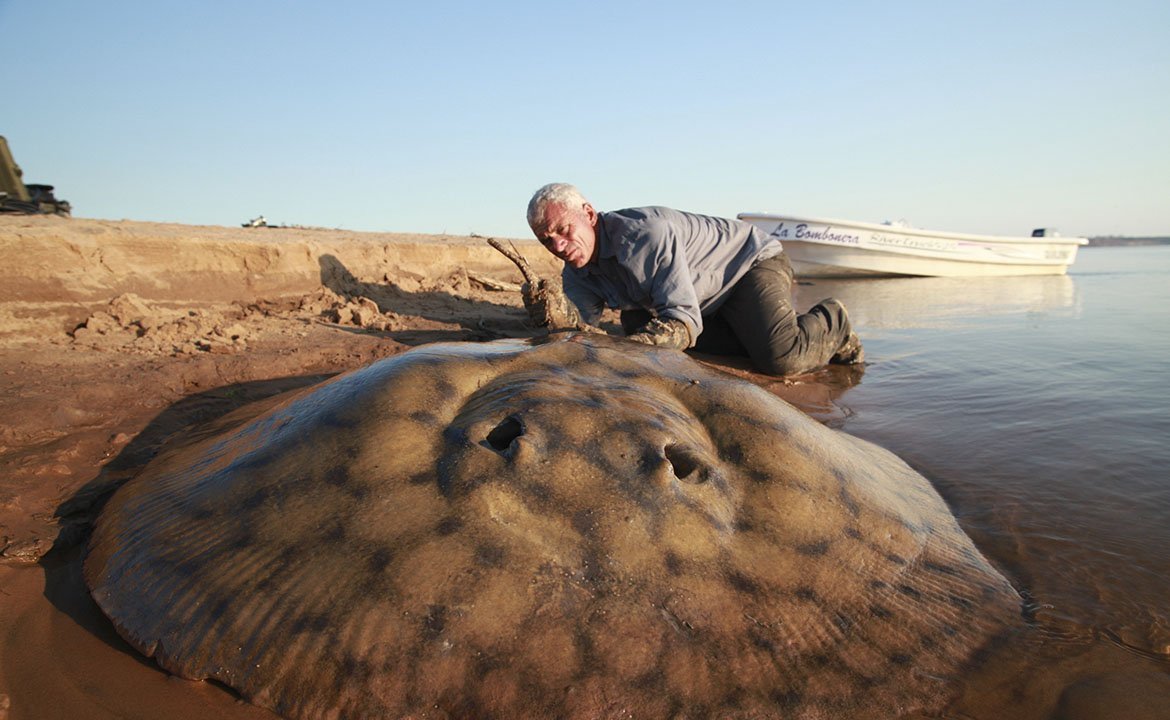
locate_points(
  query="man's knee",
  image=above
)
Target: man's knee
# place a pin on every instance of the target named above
(782, 356)
(782, 365)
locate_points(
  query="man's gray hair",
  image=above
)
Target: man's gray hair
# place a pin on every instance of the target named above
(562, 194)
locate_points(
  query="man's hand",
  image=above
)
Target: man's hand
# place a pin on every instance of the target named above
(544, 298)
(535, 298)
(548, 306)
(664, 332)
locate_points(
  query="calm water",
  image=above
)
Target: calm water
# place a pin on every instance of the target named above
(1040, 407)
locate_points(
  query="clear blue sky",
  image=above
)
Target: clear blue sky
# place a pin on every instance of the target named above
(443, 117)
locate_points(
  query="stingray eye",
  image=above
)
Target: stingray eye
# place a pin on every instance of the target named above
(502, 435)
(686, 464)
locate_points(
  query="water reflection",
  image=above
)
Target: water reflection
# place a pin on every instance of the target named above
(815, 394)
(896, 303)
(1037, 406)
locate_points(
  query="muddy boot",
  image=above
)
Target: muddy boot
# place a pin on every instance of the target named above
(850, 353)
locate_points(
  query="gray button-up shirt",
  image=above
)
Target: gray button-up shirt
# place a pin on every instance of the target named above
(676, 264)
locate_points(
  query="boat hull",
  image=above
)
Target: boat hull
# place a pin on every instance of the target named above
(835, 248)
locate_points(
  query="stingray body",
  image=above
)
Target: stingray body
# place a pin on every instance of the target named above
(580, 528)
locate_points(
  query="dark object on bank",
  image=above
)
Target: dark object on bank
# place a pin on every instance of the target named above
(16, 197)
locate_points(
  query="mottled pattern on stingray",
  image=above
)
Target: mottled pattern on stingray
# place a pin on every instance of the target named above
(583, 528)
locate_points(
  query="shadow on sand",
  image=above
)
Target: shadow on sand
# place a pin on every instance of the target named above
(475, 320)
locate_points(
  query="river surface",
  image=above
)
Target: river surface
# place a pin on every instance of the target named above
(1040, 409)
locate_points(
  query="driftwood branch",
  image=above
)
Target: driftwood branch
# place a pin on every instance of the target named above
(544, 298)
(514, 255)
(493, 284)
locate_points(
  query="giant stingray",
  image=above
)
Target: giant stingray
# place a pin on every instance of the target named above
(580, 528)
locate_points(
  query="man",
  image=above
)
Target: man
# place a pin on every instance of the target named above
(683, 280)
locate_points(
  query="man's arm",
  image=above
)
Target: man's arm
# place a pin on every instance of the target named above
(549, 306)
(544, 298)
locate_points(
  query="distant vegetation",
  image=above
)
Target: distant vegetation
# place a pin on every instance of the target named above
(1122, 240)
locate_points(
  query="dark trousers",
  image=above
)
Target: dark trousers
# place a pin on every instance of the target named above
(758, 321)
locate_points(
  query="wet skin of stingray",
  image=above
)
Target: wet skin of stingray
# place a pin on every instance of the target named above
(580, 528)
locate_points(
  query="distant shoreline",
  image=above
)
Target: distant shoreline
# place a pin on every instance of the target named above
(1121, 240)
(1117, 241)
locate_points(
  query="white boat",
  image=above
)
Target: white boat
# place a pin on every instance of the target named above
(818, 247)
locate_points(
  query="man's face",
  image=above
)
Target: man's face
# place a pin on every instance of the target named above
(570, 233)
